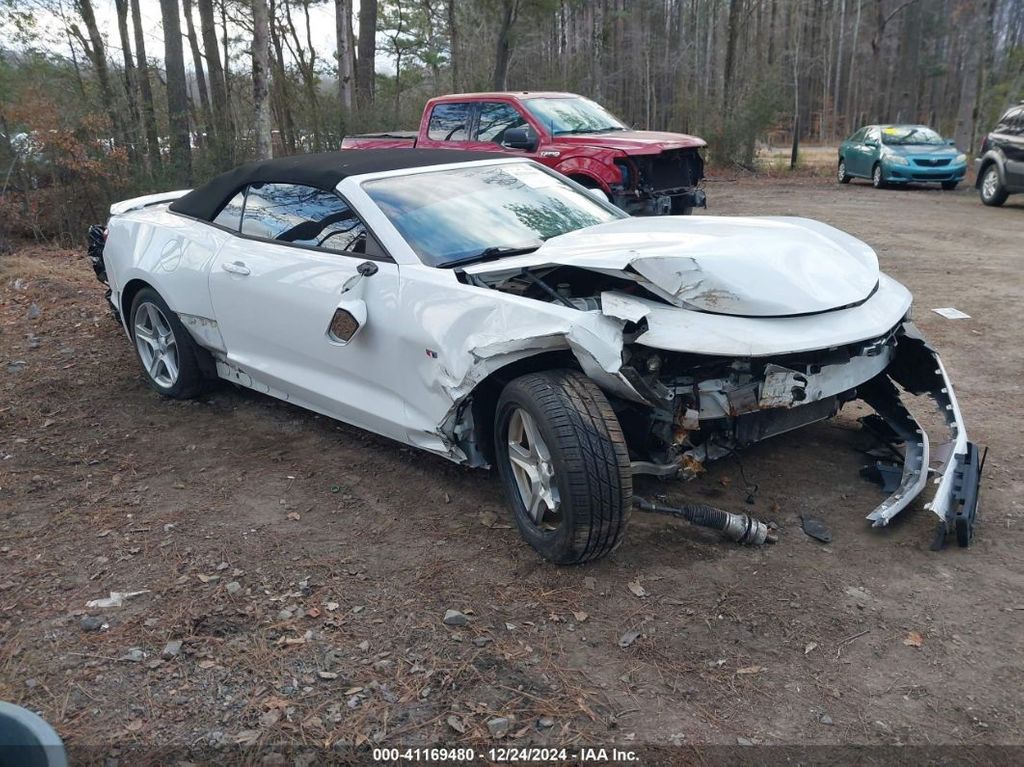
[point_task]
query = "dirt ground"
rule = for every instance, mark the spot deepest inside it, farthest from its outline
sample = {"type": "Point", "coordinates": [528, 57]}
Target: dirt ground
{"type": "Point", "coordinates": [305, 566]}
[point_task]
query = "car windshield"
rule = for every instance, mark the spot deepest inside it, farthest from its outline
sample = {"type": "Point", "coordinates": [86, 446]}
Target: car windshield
{"type": "Point", "coordinates": [898, 135]}
{"type": "Point", "coordinates": [573, 115]}
{"type": "Point", "coordinates": [469, 213]}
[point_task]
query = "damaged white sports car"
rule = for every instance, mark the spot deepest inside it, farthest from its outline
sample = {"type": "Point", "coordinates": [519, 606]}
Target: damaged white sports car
{"type": "Point", "coordinates": [494, 313]}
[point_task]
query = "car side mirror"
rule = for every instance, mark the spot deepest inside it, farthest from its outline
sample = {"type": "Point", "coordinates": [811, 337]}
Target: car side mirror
{"type": "Point", "coordinates": [350, 316]}
{"type": "Point", "coordinates": [364, 270]}
{"type": "Point", "coordinates": [348, 319]}
{"type": "Point", "coordinates": [520, 138]}
{"type": "Point", "coordinates": [871, 143]}
{"type": "Point", "coordinates": [951, 142]}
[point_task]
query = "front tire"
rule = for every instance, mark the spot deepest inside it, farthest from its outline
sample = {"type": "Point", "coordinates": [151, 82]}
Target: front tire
{"type": "Point", "coordinates": [992, 190]}
{"type": "Point", "coordinates": [877, 181]}
{"type": "Point", "coordinates": [165, 349]}
{"type": "Point", "coordinates": [842, 175]}
{"type": "Point", "coordinates": [564, 466]}
{"type": "Point", "coordinates": [949, 186]}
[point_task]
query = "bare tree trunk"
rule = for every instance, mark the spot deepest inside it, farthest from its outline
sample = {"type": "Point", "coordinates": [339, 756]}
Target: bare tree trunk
{"type": "Point", "coordinates": [280, 91]}
{"type": "Point", "coordinates": [197, 60]}
{"type": "Point", "coordinates": [730, 54]}
{"type": "Point", "coordinates": [969, 83]}
{"type": "Point", "coordinates": [307, 68]}
{"type": "Point", "coordinates": [795, 151]}
{"type": "Point", "coordinates": [97, 54]}
{"type": "Point", "coordinates": [177, 94]}
{"type": "Point", "coordinates": [836, 89]}
{"type": "Point", "coordinates": [218, 85]}
{"type": "Point", "coordinates": [78, 70]}
{"type": "Point", "coordinates": [131, 81]}
{"type": "Point", "coordinates": [227, 59]}
{"type": "Point", "coordinates": [366, 67]}
{"type": "Point", "coordinates": [260, 81]}
{"type": "Point", "coordinates": [510, 10]}
{"type": "Point", "coordinates": [346, 62]}
{"type": "Point", "coordinates": [145, 90]}
{"type": "Point", "coordinates": [851, 99]}
{"type": "Point", "coordinates": [453, 36]}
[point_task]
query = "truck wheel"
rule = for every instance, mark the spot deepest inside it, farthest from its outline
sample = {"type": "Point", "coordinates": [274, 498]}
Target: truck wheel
{"type": "Point", "coordinates": [563, 464]}
{"type": "Point", "coordinates": [164, 348]}
{"type": "Point", "coordinates": [991, 190]}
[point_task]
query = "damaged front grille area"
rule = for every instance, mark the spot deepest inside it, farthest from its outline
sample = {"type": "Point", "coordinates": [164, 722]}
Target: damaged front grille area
{"type": "Point", "coordinates": [719, 406]}
{"type": "Point", "coordinates": [708, 407]}
{"type": "Point", "coordinates": [665, 183]}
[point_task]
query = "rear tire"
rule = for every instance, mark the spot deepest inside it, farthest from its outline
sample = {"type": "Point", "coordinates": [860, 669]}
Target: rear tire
{"type": "Point", "coordinates": [568, 450]}
{"type": "Point", "coordinates": [842, 175]}
{"type": "Point", "coordinates": [991, 189]}
{"type": "Point", "coordinates": [166, 351]}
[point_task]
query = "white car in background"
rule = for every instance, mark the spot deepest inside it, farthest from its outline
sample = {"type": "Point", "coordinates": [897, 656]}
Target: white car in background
{"type": "Point", "coordinates": [495, 313]}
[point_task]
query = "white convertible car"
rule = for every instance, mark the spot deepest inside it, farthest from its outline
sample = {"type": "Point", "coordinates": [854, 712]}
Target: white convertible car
{"type": "Point", "coordinates": [495, 313]}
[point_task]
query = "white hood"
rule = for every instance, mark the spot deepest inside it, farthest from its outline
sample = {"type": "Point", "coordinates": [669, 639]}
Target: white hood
{"type": "Point", "coordinates": [751, 267]}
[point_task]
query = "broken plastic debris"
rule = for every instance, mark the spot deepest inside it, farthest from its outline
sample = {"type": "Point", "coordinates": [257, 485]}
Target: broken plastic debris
{"type": "Point", "coordinates": [816, 529]}
{"type": "Point", "coordinates": [951, 314]}
{"type": "Point", "coordinates": [637, 589]}
{"type": "Point", "coordinates": [628, 638]}
{"type": "Point", "coordinates": [116, 599]}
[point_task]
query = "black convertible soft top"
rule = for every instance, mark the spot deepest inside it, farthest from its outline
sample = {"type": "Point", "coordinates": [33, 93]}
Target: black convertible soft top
{"type": "Point", "coordinates": [323, 171]}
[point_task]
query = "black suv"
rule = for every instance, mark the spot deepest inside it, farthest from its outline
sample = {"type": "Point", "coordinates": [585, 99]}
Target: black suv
{"type": "Point", "coordinates": [1001, 164]}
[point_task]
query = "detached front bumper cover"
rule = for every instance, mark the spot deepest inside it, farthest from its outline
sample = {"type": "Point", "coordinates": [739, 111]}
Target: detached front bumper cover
{"type": "Point", "coordinates": [917, 368]}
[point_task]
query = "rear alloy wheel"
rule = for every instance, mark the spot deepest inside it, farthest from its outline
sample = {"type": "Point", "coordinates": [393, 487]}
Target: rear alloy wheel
{"type": "Point", "coordinates": [843, 176]}
{"type": "Point", "coordinates": [564, 466]}
{"type": "Point", "coordinates": [164, 348]}
{"type": "Point", "coordinates": [876, 177]}
{"type": "Point", "coordinates": [992, 191]}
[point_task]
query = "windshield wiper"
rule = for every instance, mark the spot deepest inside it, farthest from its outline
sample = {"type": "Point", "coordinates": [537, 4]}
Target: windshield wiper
{"type": "Point", "coordinates": [489, 254]}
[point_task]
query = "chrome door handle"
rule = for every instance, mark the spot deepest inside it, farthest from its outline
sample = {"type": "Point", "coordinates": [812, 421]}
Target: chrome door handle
{"type": "Point", "coordinates": [235, 267]}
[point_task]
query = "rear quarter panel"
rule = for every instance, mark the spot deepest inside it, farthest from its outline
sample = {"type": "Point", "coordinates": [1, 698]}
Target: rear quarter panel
{"type": "Point", "coordinates": [171, 253]}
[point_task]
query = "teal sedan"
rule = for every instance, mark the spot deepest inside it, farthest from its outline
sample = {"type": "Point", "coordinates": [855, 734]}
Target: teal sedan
{"type": "Point", "coordinates": [898, 154]}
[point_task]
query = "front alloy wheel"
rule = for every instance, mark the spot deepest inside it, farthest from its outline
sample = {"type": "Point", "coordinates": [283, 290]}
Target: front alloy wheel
{"type": "Point", "coordinates": [564, 466]}
{"type": "Point", "coordinates": [530, 461]}
{"type": "Point", "coordinates": [876, 177]}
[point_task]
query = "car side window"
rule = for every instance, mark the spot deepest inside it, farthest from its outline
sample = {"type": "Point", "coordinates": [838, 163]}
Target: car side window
{"type": "Point", "coordinates": [857, 137]}
{"type": "Point", "coordinates": [495, 118]}
{"type": "Point", "coordinates": [873, 134]}
{"type": "Point", "coordinates": [449, 122]}
{"type": "Point", "coordinates": [304, 215]}
{"type": "Point", "coordinates": [230, 216]}
{"type": "Point", "coordinates": [1017, 122]}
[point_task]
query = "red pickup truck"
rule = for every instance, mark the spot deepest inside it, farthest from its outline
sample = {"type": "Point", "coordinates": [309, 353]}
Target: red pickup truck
{"type": "Point", "coordinates": [642, 172]}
